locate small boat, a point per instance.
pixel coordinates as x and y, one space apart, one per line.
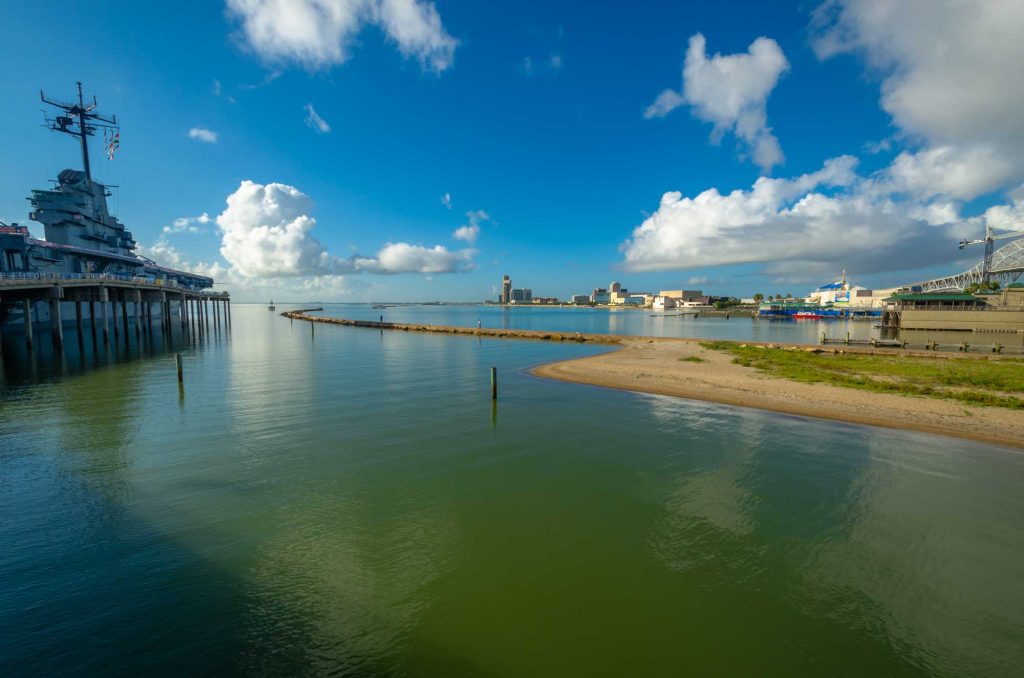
271 307
807 315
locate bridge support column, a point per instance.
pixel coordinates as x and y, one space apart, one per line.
27 306
92 317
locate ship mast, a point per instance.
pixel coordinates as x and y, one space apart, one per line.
80 122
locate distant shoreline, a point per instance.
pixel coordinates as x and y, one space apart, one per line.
681 367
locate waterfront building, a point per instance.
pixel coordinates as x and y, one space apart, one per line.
506 290
580 299
599 297
520 296
663 303
615 287
684 295
992 312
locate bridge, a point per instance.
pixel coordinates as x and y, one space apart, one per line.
1007 265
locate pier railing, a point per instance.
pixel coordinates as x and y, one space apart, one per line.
9 278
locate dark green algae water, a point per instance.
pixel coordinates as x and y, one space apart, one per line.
347 502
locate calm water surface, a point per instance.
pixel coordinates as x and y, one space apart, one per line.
347 501
638 322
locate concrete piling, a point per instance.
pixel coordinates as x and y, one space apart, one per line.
56 326
27 306
104 297
78 321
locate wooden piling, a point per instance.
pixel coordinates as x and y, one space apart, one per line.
181 376
494 383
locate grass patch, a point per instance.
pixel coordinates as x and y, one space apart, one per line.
693 359
977 382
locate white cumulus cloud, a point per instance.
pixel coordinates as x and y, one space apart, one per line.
203 134
267 233
952 81
470 231
820 220
731 92
319 33
400 257
315 122
188 224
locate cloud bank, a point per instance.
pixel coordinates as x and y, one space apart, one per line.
829 219
731 92
267 233
319 33
950 79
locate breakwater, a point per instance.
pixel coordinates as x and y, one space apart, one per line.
496 333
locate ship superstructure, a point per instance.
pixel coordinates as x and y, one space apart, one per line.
81 236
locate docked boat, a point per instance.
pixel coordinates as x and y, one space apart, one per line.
271 307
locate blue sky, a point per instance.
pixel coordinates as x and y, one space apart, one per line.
532 113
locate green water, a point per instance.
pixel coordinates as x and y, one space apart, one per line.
347 502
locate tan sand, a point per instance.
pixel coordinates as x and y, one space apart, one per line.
654 366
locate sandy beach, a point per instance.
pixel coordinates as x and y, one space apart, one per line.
657 366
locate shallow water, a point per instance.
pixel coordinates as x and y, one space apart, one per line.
340 500
637 322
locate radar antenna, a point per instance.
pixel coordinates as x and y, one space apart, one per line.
80 121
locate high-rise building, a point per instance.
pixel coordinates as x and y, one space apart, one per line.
615 287
521 296
506 290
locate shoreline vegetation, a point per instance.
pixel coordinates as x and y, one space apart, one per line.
977 397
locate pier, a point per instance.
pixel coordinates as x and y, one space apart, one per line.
113 304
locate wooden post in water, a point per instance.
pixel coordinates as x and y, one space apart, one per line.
494 383
177 362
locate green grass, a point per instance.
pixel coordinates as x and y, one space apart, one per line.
971 381
693 359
